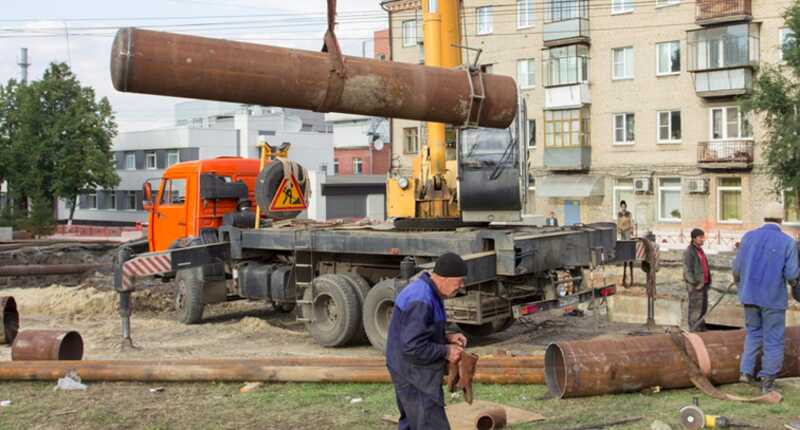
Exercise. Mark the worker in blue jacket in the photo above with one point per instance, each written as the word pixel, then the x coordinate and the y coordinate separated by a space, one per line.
pixel 417 347
pixel 765 262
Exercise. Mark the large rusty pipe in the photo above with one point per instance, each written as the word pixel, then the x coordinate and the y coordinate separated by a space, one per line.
pixel 595 367
pixel 227 370
pixel 511 364
pixel 178 65
pixel 9 318
pixel 47 345
pixel 51 269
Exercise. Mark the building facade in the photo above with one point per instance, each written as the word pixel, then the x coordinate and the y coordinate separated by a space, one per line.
pixel 627 100
pixel 360 144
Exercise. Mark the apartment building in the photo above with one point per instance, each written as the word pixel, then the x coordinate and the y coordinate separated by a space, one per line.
pixel 627 100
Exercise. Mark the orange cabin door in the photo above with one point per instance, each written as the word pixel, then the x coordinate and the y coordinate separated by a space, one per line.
pixel 171 214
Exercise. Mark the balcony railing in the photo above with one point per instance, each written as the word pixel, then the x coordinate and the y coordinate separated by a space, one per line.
pixel 567 158
pixel 714 11
pixel 725 154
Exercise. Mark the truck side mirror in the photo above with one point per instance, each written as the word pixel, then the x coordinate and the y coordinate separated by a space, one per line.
pixel 147 189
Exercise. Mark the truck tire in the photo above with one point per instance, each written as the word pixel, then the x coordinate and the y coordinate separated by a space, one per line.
pixel 189 295
pixel 377 313
pixel 334 311
pixel 361 287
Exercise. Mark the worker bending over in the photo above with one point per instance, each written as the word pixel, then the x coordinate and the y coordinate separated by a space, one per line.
pixel 417 347
pixel 766 261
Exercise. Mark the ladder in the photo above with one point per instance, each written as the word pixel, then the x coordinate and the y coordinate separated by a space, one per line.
pixel 303 270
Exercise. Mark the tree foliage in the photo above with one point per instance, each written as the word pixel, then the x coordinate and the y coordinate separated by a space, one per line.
pixel 776 98
pixel 56 141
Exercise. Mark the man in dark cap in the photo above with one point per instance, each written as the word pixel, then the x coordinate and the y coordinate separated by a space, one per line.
pixel 417 346
pixel 697 276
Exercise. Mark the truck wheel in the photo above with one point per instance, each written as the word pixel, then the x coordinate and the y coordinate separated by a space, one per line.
pixel 361 287
pixel 378 308
pixel 189 296
pixel 334 311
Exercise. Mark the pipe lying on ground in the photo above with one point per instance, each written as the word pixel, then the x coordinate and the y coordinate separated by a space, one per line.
pixel 47 345
pixel 228 370
pixel 9 318
pixel 596 367
pixel 51 269
pixel 523 363
pixel 491 419
pixel 179 65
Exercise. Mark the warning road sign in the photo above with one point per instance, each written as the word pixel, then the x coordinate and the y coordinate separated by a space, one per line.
pixel 289 197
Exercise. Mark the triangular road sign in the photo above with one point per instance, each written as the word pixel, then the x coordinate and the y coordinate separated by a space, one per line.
pixel 289 197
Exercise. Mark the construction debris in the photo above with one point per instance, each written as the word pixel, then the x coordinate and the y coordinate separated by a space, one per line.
pixel 250 387
pixel 491 419
pixel 70 382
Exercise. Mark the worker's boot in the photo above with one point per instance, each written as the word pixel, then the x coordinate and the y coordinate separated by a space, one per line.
pixel 452 375
pixel 749 379
pixel 466 371
pixel 767 385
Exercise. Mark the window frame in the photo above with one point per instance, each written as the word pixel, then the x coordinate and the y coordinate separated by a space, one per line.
pixel 335 166
pixel 177 157
pixel 113 196
pixel 166 186
pixel 618 7
pixel 667 3
pixel 671 188
pixel 783 202
pixel 628 68
pixel 562 127
pixel 669 141
pixel 416 140
pixel 616 197
pixel 130 156
pixel 658 58
pixel 92 197
pixel 741 119
pixel 530 73
pixel 150 155
pixel 529 14
pixel 483 20
pixel 360 163
pixel 406 37
pixel 131 196
pixel 782 33
pixel 624 128
pixel 720 190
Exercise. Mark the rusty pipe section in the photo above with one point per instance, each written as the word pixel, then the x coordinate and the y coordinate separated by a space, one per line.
pixel 491 419
pixel 51 269
pixel 596 367
pixel 232 370
pixel 9 318
pixel 47 345
pixel 178 65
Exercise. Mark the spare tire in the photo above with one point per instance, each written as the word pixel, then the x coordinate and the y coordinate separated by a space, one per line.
pixel 268 182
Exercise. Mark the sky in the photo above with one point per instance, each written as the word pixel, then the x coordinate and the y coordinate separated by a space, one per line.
pixel 43 26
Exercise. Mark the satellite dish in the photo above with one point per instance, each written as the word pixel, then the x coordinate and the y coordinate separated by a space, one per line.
pixel 378 144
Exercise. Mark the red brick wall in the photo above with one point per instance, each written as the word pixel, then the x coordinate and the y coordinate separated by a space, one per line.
pixel 382 44
pixel 381 159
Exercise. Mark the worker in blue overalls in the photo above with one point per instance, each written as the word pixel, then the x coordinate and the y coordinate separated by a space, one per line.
pixel 766 261
pixel 417 346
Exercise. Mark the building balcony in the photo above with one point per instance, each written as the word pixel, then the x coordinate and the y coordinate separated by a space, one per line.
pixel 567 158
pixel 570 96
pixel 721 83
pixel 725 154
pixel 717 11
pixel 565 31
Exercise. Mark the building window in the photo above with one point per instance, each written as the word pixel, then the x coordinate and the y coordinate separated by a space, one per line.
pixel 409 33
pixel 621 6
pixel 786 37
pixel 669 126
pixel 130 161
pixel 622 63
pixel 669 199
pixel 358 166
pixel 566 65
pixel 668 61
pixel 791 214
pixel 335 166
pixel 150 160
pixel 729 198
pixel 525 15
pixel 526 73
pixel 566 128
pixel 623 190
pixel 484 21
pixel 91 200
pixel 131 196
pixel 411 140
pixel 624 129
pixel 112 200
pixel 662 3
pixel 531 134
pixel 562 10
pixel 173 157
pixel 730 123
pixel 723 47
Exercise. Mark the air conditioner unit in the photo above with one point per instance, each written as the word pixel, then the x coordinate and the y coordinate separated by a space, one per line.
pixel 641 185
pixel 698 186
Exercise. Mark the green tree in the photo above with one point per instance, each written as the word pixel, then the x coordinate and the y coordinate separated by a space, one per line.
pixel 776 97
pixel 58 141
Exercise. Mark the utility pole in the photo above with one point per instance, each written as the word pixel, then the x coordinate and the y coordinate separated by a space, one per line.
pixel 23 65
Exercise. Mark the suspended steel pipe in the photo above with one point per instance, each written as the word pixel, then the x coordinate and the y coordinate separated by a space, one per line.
pixel 51 269
pixel 596 367
pixel 179 65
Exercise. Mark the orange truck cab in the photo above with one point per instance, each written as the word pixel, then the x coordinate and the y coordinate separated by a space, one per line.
pixel 196 195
